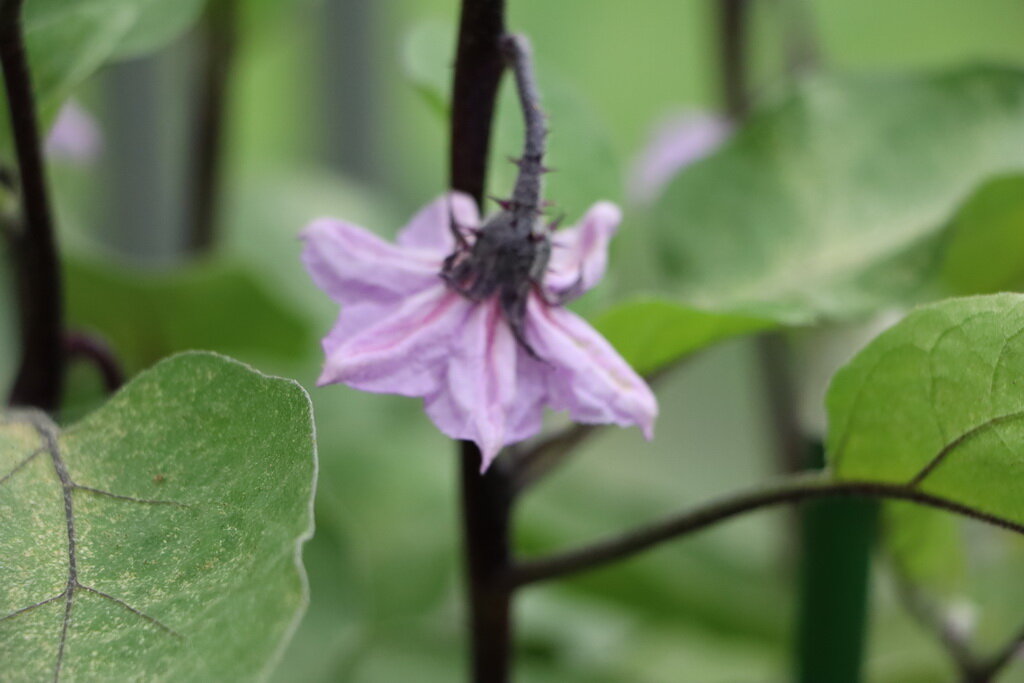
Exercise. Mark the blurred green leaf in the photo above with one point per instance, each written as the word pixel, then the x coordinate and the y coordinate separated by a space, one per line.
pixel 935 402
pixel 984 243
pixel 427 54
pixel 652 333
pixel 926 546
pixel 68 40
pixel 827 203
pixel 146 315
pixel 265 213
pixel 184 563
pixel 157 22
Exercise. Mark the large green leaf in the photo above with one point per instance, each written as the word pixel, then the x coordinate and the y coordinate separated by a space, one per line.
pixel 182 561
pixel 651 333
pixel 829 203
pixel 146 315
pixel 935 404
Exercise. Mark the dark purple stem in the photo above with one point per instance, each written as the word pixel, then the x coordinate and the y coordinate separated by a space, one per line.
pixel 486 499
pixel 37 271
pixel 732 27
pixel 486 509
pixel 798 489
pixel 219 33
pixel 96 351
pixel 479 64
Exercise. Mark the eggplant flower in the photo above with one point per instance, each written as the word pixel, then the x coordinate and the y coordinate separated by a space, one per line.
pixel 413 323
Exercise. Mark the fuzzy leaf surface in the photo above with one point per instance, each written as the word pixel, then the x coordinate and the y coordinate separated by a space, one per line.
pixel 189 499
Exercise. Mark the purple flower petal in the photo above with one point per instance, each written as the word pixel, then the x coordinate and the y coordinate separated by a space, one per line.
pixel 579 254
pixel 481 382
pixel 355 266
pixel 588 377
pixel 403 331
pixel 430 229
pixel 406 352
pixel 74 137
pixel 674 145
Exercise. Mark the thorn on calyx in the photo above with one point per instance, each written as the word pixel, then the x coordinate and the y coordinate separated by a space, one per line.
pixel 521 161
pixel 505 204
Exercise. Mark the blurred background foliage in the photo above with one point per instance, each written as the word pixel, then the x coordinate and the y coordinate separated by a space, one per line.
pixel 337 107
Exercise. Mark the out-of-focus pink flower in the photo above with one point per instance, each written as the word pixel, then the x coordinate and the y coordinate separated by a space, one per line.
pixel 404 330
pixel 75 137
pixel 677 143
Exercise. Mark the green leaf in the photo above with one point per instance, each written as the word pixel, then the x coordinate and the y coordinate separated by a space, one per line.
pixel 935 403
pixel 829 202
pixel 927 547
pixel 652 333
pixel 156 24
pixel 68 40
pixel 426 63
pixel 147 315
pixel 184 563
pixel 984 243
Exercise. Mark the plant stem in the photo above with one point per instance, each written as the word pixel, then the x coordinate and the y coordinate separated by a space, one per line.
pixel 532 465
pixel 836 540
pixel 732 27
pixel 97 352
pixel 486 499
pixel 219 33
pixel 486 507
pixel 479 64
pixel 930 616
pixel 795 489
pixel 41 371
pixel 987 670
pixel 834 576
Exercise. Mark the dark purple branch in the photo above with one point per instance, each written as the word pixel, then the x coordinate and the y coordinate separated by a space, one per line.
pixel 219 34
pixel 988 669
pixel 94 350
pixel 33 243
pixel 800 488
pixel 732 26
pixel 535 463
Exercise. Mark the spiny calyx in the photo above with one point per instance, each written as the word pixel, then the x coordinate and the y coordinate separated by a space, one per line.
pixel 510 254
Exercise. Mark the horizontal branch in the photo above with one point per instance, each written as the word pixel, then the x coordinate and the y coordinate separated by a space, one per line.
pixel 794 490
